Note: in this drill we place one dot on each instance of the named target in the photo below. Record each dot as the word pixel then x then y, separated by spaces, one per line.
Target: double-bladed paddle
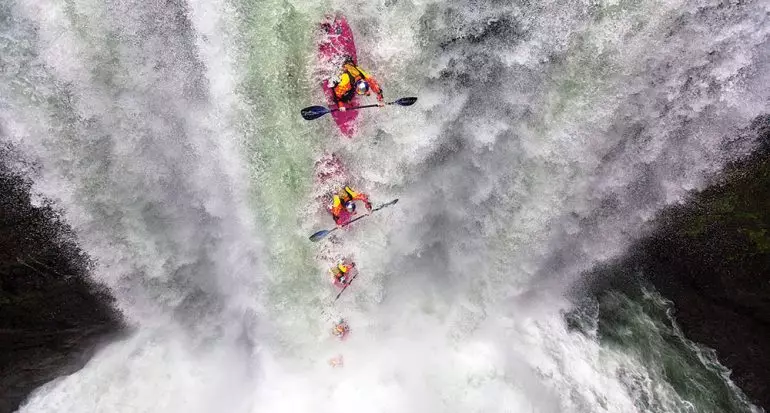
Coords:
pixel 324 232
pixel 315 112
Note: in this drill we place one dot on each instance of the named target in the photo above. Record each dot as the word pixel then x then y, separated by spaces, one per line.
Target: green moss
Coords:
pixel 736 210
pixel 760 239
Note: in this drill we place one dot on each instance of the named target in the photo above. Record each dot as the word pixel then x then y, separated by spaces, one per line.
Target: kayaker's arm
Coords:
pixel 365 199
pixel 375 88
pixel 373 85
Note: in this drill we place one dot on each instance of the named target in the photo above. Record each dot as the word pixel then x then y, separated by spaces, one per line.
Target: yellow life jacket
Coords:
pixel 345 195
pixel 348 194
pixel 345 89
pixel 339 269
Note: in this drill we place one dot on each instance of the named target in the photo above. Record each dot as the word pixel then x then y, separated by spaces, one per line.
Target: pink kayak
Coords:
pixel 335 46
pixel 330 177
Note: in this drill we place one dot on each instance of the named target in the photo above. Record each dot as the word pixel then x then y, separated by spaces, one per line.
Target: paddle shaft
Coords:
pixel 406 102
pixel 364 216
pixel 315 112
pixel 355 219
pixel 360 107
pixel 324 233
pixel 346 286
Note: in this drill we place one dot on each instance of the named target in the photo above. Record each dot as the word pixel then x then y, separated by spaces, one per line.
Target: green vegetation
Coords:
pixel 711 257
pixel 735 213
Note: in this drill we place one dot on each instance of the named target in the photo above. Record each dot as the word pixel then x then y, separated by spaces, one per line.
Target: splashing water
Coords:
pixel 545 136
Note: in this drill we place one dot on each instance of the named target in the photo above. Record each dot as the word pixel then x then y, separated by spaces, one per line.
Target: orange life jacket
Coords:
pixel 339 271
pixel 345 89
pixel 345 195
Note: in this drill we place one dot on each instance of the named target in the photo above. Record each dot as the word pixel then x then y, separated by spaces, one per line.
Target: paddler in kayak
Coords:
pixel 351 82
pixel 343 272
pixel 341 329
pixel 337 361
pixel 343 206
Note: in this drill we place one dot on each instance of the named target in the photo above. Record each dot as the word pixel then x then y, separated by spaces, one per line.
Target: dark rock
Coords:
pixel 52 316
pixel 711 257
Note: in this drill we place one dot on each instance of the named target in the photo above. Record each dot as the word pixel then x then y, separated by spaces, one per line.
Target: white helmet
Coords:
pixel 362 87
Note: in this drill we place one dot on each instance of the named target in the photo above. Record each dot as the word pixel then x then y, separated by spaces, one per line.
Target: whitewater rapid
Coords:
pixel 545 138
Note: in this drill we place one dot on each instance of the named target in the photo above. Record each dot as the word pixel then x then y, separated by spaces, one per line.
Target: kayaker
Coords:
pixel 352 81
pixel 337 361
pixel 342 272
pixel 343 206
pixel 340 329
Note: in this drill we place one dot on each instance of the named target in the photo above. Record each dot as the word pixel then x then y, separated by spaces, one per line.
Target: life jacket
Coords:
pixel 343 268
pixel 339 272
pixel 342 197
pixel 348 194
pixel 345 89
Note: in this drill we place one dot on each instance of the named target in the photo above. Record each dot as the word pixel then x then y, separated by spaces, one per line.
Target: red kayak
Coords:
pixel 330 177
pixel 335 46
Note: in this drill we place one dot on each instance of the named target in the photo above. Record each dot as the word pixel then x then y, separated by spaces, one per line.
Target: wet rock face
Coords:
pixel 52 316
pixel 711 257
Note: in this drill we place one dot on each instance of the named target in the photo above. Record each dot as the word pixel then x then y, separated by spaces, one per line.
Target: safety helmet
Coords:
pixel 362 87
pixel 350 206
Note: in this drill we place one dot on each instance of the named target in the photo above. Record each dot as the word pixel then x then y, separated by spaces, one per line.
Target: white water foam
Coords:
pixel 503 188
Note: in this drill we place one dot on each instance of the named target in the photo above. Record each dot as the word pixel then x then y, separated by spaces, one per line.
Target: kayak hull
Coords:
pixel 335 46
pixel 350 275
pixel 330 171
pixel 338 284
pixel 330 176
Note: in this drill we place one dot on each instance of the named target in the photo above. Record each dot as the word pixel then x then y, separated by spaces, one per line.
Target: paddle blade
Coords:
pixel 319 235
pixel 406 101
pixel 314 112
pixel 393 202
